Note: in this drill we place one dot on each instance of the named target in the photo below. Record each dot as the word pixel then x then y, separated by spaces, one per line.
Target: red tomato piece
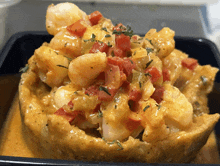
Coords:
pixel 70 116
pixel 95 17
pixel 128 66
pixel 111 77
pixel 92 90
pixel 77 28
pixel 97 108
pixel 123 42
pixel 135 95
pixel 107 95
pixel 166 75
pixel 116 61
pixel 190 63
pixel 133 122
pixel 119 27
pixel 98 46
pixel 155 74
pixel 70 104
pixel 158 94
pixel 113 51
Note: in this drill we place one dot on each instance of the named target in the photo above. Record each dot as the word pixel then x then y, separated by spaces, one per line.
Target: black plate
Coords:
pixel 20 47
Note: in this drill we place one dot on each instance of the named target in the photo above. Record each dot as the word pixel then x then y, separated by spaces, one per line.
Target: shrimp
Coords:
pixel 52 67
pixel 115 120
pixel 67 44
pixel 163 41
pixel 62 95
pixel 84 69
pixel 153 121
pixel 178 110
pixel 61 15
pixel 100 32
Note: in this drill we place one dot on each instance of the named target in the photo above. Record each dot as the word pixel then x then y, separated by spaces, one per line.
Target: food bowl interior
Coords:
pixel 21 46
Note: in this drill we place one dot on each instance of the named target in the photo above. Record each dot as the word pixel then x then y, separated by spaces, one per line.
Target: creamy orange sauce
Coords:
pixel 12 140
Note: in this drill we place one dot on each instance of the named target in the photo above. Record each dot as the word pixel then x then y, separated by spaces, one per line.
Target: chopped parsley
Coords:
pixel 109 44
pixel 158 105
pixel 104 29
pixel 107 35
pixel 204 80
pixel 140 85
pixel 135 52
pixel 62 66
pixel 149 40
pixel 149 50
pixel 70 59
pixel 92 39
pixel 145 108
pixel 119 144
pixel 148 74
pixel 101 88
pixel 100 114
pixel 148 63
pixel 126 31
pixel 24 69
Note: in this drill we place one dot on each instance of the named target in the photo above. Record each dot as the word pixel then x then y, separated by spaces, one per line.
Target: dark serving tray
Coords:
pixel 20 47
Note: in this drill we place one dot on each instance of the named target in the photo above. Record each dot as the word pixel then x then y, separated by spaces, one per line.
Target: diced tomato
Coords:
pixel 158 94
pixel 70 104
pixel 113 51
pixel 135 95
pixel 190 63
pixel 116 61
pixel 113 76
pixel 128 65
pixel 123 42
pixel 92 90
pixel 98 46
pixel 70 116
pixel 77 28
pixel 133 122
pixel 119 27
pixel 95 17
pixel 97 108
pixel 134 37
pixel 126 85
pixel 166 75
pixel 155 74
pixel 107 96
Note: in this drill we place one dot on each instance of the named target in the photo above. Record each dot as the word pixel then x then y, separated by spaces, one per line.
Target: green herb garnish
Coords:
pixel 148 63
pixel 126 31
pixel 109 44
pixel 70 59
pixel 148 74
pixel 204 80
pixel 140 85
pixel 149 50
pixel 149 40
pixel 145 108
pixel 107 35
pixel 24 69
pixel 100 114
pixel 105 29
pixel 119 144
pixel 101 88
pixel 62 66
pixel 158 105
